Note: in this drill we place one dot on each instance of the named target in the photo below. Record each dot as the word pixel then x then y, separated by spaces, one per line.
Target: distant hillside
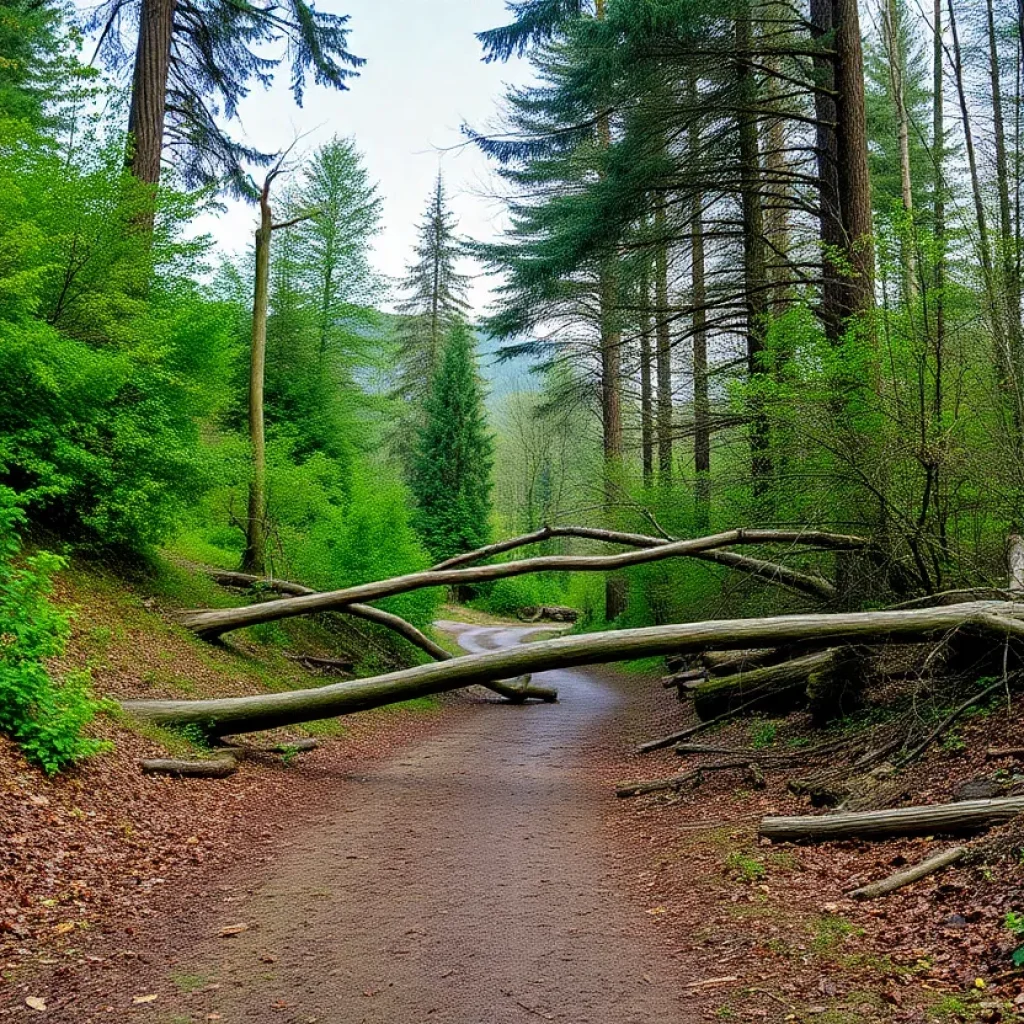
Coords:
pixel 505 378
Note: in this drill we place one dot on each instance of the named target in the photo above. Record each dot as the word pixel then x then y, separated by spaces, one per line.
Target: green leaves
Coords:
pixel 44 716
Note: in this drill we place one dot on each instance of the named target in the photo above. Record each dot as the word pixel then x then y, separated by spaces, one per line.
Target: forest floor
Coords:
pixel 461 861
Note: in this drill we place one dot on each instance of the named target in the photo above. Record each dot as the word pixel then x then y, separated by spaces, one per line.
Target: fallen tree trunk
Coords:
pixel 776 688
pixel 728 663
pixel 910 875
pixel 517 692
pixel 213 768
pixel 997 752
pixel 966 816
pixel 212 623
pixel 249 714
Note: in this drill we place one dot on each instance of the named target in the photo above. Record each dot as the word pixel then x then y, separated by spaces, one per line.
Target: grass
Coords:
pixel 830 933
pixel 748 868
pixel 188 982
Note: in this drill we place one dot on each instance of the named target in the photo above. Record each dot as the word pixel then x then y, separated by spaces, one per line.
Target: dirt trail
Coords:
pixel 463 882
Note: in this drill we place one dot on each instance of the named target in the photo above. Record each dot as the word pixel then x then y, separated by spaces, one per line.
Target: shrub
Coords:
pixel 44 716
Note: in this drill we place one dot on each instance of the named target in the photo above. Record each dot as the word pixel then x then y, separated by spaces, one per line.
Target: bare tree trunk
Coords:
pixel 149 97
pixel 664 350
pixel 755 270
pixel 249 714
pixel 701 399
pixel 831 309
pixel 646 391
pixel 1010 290
pixel 893 39
pixel 852 153
pixel 254 556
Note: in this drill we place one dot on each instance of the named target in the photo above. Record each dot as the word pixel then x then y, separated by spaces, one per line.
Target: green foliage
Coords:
pixel 103 374
pixel 763 735
pixel 452 464
pixel 746 867
pixel 44 716
pixel 1014 924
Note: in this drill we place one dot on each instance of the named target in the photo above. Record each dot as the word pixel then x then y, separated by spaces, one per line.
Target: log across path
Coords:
pixel 466 880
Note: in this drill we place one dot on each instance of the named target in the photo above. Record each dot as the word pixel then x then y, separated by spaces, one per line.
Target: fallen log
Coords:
pixel 213 768
pixel 212 623
pixel 241 752
pixel 547 612
pixel 673 784
pixel 775 688
pixel 966 816
pixel 249 714
pixel 910 875
pixel 516 693
pixel 997 752
pixel 692 675
pixel 728 663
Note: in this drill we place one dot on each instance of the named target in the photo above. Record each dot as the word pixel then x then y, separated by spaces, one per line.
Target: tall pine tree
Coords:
pixel 435 299
pixel 451 478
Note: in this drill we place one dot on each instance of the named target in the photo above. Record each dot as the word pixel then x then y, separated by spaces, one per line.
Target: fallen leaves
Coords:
pixel 142 1000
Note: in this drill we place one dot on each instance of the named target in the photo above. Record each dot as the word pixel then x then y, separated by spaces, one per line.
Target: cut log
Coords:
pixel 728 663
pixel 249 714
pixel 211 623
pixel 691 675
pixel 910 875
pixel 776 688
pixel 939 819
pixel 214 768
pixel 520 690
pixel 673 785
pixel 997 752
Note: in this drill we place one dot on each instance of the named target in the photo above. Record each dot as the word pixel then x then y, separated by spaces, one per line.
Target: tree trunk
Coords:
pixel 852 152
pixel 830 215
pixel 254 556
pixel 893 40
pixel 935 819
pixel 664 350
pixel 266 711
pixel 1011 297
pixel 646 390
pixel 149 91
pixel 754 265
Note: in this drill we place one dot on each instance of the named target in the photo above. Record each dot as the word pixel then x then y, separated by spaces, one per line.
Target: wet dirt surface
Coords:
pixel 464 881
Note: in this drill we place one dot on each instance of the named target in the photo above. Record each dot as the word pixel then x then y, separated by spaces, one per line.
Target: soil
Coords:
pixel 474 867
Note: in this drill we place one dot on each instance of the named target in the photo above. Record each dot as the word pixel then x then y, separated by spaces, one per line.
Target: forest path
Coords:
pixel 463 882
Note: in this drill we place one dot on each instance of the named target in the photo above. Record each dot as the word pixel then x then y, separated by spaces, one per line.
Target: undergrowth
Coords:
pixel 45 716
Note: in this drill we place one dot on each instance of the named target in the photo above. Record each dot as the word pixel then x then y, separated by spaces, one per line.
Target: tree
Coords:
pixel 193 61
pixel 451 478
pixel 435 299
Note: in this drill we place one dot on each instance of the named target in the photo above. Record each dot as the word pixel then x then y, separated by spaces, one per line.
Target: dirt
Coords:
pixel 472 865
pixel 465 879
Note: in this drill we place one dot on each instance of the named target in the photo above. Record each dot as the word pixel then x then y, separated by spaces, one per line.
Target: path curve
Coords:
pixel 465 881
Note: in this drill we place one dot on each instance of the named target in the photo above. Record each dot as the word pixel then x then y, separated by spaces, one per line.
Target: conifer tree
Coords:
pixel 435 299
pixel 193 61
pixel 451 478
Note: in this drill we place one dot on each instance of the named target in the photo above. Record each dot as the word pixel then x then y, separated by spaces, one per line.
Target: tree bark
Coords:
pixel 776 688
pixel 699 299
pixel 910 875
pixel 646 389
pixel 664 349
pixel 938 819
pixel 254 556
pixel 755 270
pixel 149 91
pixel 214 622
pixel 852 152
pixel 239 714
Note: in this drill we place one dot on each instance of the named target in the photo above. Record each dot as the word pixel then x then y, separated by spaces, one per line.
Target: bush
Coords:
pixel 45 717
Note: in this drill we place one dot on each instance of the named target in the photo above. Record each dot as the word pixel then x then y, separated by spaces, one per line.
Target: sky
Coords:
pixel 422 80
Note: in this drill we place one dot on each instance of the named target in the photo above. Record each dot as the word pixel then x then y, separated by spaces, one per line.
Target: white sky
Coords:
pixel 423 79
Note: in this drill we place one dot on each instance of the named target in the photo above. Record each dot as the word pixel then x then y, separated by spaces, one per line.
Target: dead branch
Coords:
pixel 213 768
pixel 910 875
